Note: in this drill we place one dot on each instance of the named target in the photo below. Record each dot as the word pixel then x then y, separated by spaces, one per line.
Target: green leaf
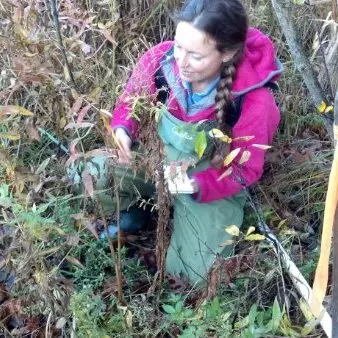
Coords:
pixel 226 316
pixel 179 306
pixel 310 326
pixel 252 314
pixel 242 323
pixel 214 308
pixel 168 308
pixel 200 143
pixel 276 316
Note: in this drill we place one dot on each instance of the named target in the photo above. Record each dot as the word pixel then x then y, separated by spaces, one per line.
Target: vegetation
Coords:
pixel 56 277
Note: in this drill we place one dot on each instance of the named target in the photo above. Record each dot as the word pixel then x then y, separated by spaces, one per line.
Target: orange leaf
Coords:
pixel 227 173
pixel 245 157
pixel 231 156
pixel 261 146
pixel 244 138
pixel 226 139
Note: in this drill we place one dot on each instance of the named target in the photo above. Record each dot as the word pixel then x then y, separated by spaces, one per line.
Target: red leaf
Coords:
pixel 72 146
pixel 77 105
pixel 83 112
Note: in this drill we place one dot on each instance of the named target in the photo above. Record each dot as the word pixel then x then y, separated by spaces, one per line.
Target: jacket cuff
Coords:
pixel 124 128
pixel 197 196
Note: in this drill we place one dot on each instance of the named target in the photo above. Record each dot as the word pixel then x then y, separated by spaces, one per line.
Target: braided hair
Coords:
pixel 222 102
pixel 226 22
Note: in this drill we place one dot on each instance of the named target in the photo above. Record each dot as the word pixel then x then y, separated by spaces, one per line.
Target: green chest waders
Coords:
pixel 199 228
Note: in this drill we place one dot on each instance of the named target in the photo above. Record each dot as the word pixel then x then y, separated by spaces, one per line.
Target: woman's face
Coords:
pixel 198 59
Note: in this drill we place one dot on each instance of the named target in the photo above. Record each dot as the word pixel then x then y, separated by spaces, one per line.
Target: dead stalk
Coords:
pixel 117 262
pixel 62 47
pixel 118 221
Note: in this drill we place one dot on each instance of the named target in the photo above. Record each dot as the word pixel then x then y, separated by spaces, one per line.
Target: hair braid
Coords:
pixel 222 102
pixel 223 96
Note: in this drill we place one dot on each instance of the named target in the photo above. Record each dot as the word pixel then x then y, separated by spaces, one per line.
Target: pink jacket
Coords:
pixel 259 117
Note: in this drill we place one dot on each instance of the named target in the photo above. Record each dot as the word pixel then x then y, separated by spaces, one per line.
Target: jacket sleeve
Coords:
pixel 259 118
pixel 141 83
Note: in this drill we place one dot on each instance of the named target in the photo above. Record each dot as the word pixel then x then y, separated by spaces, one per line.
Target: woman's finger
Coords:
pixel 124 144
pixel 123 157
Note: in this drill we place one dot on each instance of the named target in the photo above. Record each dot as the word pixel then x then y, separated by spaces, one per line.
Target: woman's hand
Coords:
pixel 124 144
pixel 194 185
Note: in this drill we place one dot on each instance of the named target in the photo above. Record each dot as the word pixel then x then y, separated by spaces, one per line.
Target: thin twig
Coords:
pixel 112 251
pixel 62 47
pixel 47 332
pixel 118 261
pixel 73 330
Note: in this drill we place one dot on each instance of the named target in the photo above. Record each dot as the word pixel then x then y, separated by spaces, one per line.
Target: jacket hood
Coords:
pixel 259 64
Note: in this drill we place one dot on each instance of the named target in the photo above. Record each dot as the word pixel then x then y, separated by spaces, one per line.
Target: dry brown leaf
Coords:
pixel 15 110
pixel 78 125
pixel 87 181
pixel 13 136
pixel 32 131
pixel 94 95
pixel 107 34
pixel 73 240
pixel 74 261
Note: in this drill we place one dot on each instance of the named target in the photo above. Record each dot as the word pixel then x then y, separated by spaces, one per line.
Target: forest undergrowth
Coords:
pixel 61 71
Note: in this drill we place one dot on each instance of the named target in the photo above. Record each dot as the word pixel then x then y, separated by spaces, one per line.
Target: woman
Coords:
pixel 214 59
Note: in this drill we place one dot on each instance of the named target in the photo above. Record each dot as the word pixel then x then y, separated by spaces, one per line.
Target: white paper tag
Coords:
pixel 178 181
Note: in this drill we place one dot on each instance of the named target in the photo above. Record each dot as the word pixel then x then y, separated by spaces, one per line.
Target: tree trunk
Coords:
pixel 284 13
pixel 332 60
